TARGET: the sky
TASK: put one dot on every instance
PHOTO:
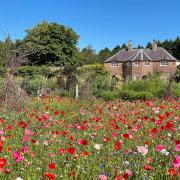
(101, 23)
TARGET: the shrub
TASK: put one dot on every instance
(155, 85)
(32, 85)
(108, 95)
(132, 95)
(3, 72)
(31, 71)
(176, 90)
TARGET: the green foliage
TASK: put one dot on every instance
(133, 95)
(126, 95)
(33, 85)
(177, 74)
(108, 95)
(53, 44)
(176, 90)
(31, 71)
(116, 49)
(155, 85)
(104, 54)
(96, 75)
(88, 55)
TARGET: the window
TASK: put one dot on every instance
(137, 77)
(147, 63)
(136, 63)
(114, 64)
(164, 63)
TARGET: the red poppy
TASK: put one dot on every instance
(125, 175)
(1, 148)
(49, 175)
(147, 167)
(56, 113)
(125, 136)
(2, 162)
(106, 139)
(52, 166)
(117, 146)
(172, 172)
(71, 150)
(61, 150)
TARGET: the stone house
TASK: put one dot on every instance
(135, 64)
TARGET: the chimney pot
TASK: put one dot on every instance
(154, 47)
(130, 45)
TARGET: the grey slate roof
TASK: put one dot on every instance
(141, 55)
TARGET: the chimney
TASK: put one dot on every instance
(154, 45)
(129, 45)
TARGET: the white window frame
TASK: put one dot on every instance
(136, 63)
(164, 63)
(146, 62)
(114, 64)
(137, 77)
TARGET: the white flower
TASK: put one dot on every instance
(19, 178)
(169, 134)
(98, 146)
(164, 152)
(142, 149)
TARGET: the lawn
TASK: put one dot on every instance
(62, 138)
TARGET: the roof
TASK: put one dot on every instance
(141, 55)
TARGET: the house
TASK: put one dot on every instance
(135, 64)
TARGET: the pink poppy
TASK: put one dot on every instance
(16, 154)
(25, 149)
(103, 177)
(177, 147)
(142, 149)
(159, 148)
(20, 158)
(176, 162)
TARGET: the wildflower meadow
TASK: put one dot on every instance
(63, 138)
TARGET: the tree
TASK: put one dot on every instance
(140, 47)
(88, 55)
(5, 49)
(149, 45)
(103, 55)
(124, 46)
(53, 44)
(116, 49)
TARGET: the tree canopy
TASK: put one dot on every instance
(52, 44)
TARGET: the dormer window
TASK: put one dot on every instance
(136, 63)
(164, 63)
(146, 63)
(114, 64)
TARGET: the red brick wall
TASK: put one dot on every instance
(170, 69)
(141, 70)
(114, 70)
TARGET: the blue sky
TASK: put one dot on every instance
(101, 23)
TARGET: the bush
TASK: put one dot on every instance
(95, 76)
(3, 72)
(32, 85)
(132, 95)
(155, 86)
(32, 71)
(108, 95)
(176, 90)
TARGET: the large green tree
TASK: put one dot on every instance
(52, 44)
(116, 49)
(104, 54)
(88, 55)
